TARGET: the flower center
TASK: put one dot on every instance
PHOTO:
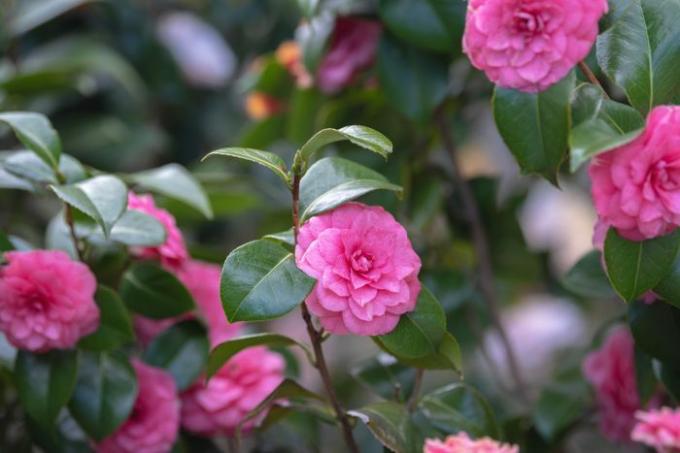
(362, 262)
(664, 177)
(529, 23)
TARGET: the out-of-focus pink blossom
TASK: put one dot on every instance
(461, 443)
(289, 55)
(659, 429)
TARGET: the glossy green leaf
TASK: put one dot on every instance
(26, 165)
(386, 377)
(260, 281)
(182, 350)
(45, 383)
(641, 52)
(284, 237)
(333, 181)
(115, 326)
(362, 136)
(176, 182)
(264, 158)
(588, 279)
(224, 351)
(136, 228)
(103, 198)
(391, 424)
(535, 126)
(636, 267)
(105, 393)
(153, 292)
(656, 329)
(35, 131)
(668, 288)
(313, 36)
(561, 403)
(415, 82)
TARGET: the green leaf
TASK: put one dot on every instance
(225, 351)
(284, 237)
(656, 329)
(333, 181)
(103, 198)
(391, 424)
(105, 393)
(670, 376)
(645, 379)
(115, 327)
(176, 182)
(182, 350)
(535, 126)
(362, 136)
(35, 131)
(26, 165)
(45, 383)
(312, 36)
(561, 403)
(264, 158)
(153, 292)
(5, 243)
(641, 52)
(669, 287)
(136, 228)
(415, 82)
(636, 267)
(29, 14)
(435, 25)
(260, 281)
(459, 407)
(588, 279)
(386, 377)
(308, 7)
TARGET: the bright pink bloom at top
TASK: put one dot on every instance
(153, 424)
(352, 49)
(173, 252)
(366, 269)
(611, 371)
(219, 406)
(46, 300)
(461, 443)
(659, 429)
(530, 44)
(636, 188)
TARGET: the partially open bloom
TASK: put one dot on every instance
(611, 371)
(260, 106)
(352, 49)
(636, 187)
(366, 269)
(219, 406)
(153, 424)
(530, 44)
(46, 300)
(659, 429)
(461, 443)
(289, 55)
(173, 252)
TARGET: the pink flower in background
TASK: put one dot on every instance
(46, 300)
(611, 371)
(172, 253)
(659, 429)
(636, 188)
(366, 269)
(352, 49)
(461, 443)
(530, 44)
(153, 424)
(219, 406)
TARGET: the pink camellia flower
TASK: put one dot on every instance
(530, 44)
(461, 443)
(173, 252)
(352, 49)
(153, 424)
(219, 406)
(636, 187)
(366, 269)
(46, 300)
(659, 429)
(611, 371)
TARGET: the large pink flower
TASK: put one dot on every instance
(530, 44)
(173, 252)
(659, 429)
(366, 269)
(352, 49)
(461, 443)
(46, 300)
(611, 371)
(153, 424)
(636, 188)
(219, 406)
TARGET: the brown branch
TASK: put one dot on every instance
(68, 218)
(415, 394)
(590, 75)
(317, 338)
(480, 242)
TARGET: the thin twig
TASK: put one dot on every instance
(415, 394)
(481, 245)
(590, 75)
(68, 218)
(317, 338)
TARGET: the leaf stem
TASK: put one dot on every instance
(317, 336)
(68, 219)
(590, 75)
(415, 394)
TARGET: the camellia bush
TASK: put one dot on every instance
(332, 220)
